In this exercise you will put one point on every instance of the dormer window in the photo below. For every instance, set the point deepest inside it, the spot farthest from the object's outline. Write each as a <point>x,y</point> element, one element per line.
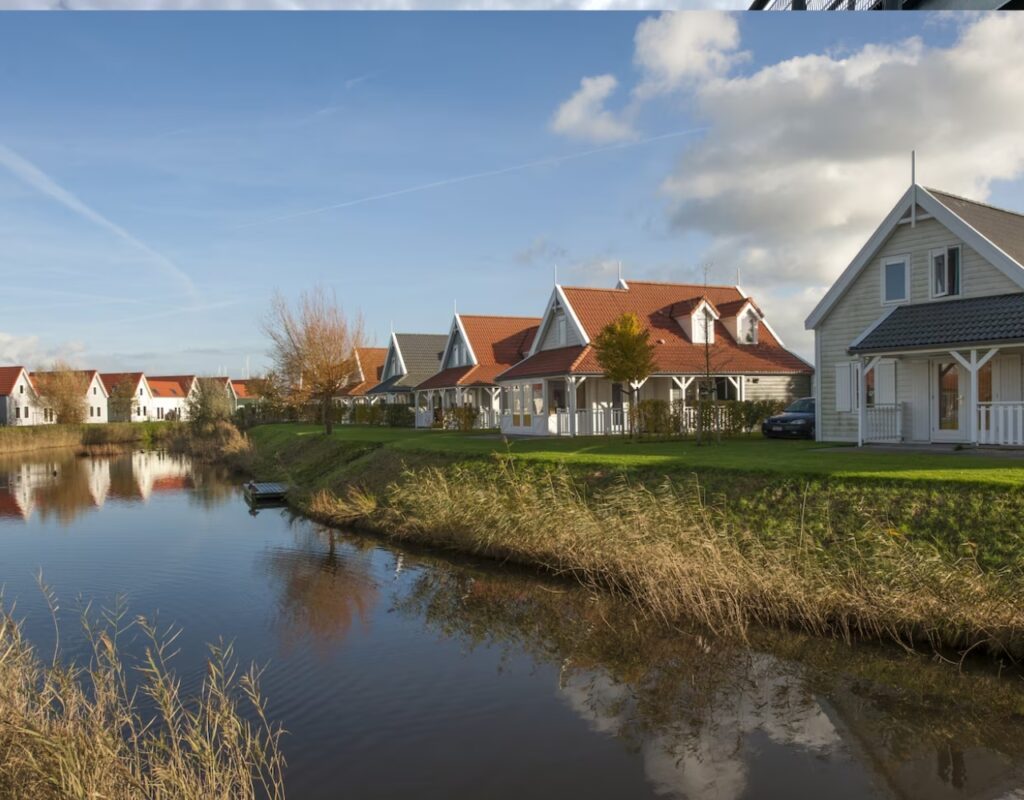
<point>945,271</point>
<point>749,328</point>
<point>704,327</point>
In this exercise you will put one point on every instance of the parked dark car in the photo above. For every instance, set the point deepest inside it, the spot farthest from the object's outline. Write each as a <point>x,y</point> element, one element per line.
<point>797,421</point>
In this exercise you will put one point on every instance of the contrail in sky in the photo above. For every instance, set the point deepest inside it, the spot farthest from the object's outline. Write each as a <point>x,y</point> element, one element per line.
<point>29,174</point>
<point>553,160</point>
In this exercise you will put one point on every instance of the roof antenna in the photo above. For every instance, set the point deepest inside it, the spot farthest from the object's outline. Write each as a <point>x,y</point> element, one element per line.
<point>913,186</point>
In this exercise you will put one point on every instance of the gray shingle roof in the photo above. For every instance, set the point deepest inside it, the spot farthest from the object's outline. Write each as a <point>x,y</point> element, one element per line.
<point>974,320</point>
<point>421,353</point>
<point>1005,229</point>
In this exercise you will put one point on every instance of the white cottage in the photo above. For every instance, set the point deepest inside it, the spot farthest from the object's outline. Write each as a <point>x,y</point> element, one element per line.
<point>560,388</point>
<point>921,338</point>
<point>18,402</point>
<point>131,390</point>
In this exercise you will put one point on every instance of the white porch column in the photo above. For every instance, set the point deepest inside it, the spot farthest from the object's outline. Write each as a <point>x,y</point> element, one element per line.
<point>973,367</point>
<point>862,397</point>
<point>570,402</point>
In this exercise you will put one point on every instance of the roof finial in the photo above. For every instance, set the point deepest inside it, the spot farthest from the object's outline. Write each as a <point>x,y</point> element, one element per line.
<point>913,187</point>
<point>455,306</point>
<point>556,274</point>
<point>620,271</point>
<point>737,277</point>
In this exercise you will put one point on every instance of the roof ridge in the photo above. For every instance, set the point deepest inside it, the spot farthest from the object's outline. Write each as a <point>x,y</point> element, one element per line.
<point>932,190</point>
<point>654,283</point>
<point>497,316</point>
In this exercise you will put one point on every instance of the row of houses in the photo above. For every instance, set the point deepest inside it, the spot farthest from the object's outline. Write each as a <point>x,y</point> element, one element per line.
<point>920,340</point>
<point>540,375</point>
<point>108,396</point>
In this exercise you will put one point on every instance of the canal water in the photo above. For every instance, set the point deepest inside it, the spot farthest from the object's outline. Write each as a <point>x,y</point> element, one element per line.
<point>400,673</point>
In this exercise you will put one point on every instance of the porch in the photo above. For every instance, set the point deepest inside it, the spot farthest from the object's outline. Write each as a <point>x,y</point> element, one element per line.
<point>591,405</point>
<point>435,407</point>
<point>958,396</point>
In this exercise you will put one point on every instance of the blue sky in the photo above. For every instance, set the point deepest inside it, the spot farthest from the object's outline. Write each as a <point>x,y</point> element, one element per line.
<point>157,170</point>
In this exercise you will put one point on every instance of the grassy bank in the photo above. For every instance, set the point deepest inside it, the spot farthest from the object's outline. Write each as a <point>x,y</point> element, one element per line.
<point>921,549</point>
<point>22,439</point>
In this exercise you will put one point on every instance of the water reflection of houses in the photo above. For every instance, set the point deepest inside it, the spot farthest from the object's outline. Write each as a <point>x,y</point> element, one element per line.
<point>67,487</point>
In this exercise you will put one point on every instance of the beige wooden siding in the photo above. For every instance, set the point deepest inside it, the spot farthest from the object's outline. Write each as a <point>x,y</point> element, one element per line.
<point>777,387</point>
<point>550,340</point>
<point>862,305</point>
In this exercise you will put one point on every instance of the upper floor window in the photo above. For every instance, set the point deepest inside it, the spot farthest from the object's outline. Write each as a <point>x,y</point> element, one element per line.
<point>945,271</point>
<point>704,327</point>
<point>896,279</point>
<point>21,389</point>
<point>560,329</point>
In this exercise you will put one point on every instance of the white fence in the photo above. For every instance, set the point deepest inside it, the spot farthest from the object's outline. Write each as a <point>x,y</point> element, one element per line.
<point>1001,423</point>
<point>884,423</point>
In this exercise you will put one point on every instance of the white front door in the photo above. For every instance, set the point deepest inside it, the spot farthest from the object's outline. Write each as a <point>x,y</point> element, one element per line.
<point>949,388</point>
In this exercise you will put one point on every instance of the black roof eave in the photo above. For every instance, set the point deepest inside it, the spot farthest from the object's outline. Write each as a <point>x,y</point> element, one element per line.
<point>936,347</point>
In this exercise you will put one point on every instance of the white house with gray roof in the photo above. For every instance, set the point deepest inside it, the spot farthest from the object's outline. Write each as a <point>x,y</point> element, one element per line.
<point>921,338</point>
<point>410,360</point>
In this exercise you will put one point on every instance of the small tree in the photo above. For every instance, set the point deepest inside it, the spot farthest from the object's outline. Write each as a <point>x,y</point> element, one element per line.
<point>209,402</point>
<point>626,355</point>
<point>120,401</point>
<point>63,390</point>
<point>313,348</point>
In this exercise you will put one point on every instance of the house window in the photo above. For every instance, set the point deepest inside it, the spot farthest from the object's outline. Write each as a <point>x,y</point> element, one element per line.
<point>945,270</point>
<point>896,279</point>
<point>17,412</point>
<point>94,390</point>
<point>560,329</point>
<point>704,328</point>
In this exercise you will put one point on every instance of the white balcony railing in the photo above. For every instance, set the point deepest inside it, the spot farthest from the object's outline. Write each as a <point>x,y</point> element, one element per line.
<point>1001,423</point>
<point>884,423</point>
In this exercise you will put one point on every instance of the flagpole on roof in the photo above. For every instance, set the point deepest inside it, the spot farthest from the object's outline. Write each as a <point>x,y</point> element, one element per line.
<point>913,184</point>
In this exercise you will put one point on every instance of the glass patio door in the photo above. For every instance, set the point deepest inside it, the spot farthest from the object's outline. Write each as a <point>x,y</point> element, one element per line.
<point>949,385</point>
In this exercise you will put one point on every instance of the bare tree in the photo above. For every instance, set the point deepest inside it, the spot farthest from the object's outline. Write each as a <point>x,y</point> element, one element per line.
<point>63,389</point>
<point>209,402</point>
<point>313,347</point>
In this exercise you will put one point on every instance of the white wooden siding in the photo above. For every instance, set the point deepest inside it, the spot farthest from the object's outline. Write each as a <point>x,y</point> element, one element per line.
<point>550,340</point>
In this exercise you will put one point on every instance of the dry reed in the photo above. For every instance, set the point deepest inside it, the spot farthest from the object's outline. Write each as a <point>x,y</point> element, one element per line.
<point>109,731</point>
<point>674,555</point>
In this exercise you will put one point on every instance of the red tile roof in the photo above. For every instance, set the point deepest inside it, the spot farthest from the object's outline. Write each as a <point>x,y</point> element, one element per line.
<point>242,390</point>
<point>163,387</point>
<point>8,377</point>
<point>371,361</point>
<point>112,379</point>
<point>497,342</point>
<point>184,382</point>
<point>655,304</point>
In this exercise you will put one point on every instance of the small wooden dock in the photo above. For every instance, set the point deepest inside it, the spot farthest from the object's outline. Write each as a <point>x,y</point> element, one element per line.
<point>256,492</point>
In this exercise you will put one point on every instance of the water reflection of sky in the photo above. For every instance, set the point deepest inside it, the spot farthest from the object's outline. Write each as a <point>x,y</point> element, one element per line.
<point>399,673</point>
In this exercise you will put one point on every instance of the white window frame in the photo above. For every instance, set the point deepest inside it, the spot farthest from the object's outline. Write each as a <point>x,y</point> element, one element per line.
<point>886,263</point>
<point>944,251</point>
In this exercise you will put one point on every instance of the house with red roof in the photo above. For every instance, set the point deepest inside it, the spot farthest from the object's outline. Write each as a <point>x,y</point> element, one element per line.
<point>368,374</point>
<point>171,394</point>
<point>921,338</point>
<point>479,348</point>
<point>245,390</point>
<point>130,398</point>
<point>94,401</point>
<point>19,404</point>
<point>696,330</point>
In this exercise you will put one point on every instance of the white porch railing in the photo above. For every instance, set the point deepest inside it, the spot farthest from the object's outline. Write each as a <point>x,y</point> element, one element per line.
<point>884,423</point>
<point>1001,423</point>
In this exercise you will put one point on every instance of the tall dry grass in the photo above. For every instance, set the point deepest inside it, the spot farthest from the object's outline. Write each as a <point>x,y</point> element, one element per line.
<point>108,731</point>
<point>677,557</point>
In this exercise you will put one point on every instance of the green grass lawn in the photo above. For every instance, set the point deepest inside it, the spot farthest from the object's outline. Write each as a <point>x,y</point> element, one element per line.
<point>753,454</point>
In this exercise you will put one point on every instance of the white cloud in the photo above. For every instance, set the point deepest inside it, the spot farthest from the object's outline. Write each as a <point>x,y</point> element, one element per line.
<point>806,156</point>
<point>680,48</point>
<point>584,116</point>
<point>29,351</point>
